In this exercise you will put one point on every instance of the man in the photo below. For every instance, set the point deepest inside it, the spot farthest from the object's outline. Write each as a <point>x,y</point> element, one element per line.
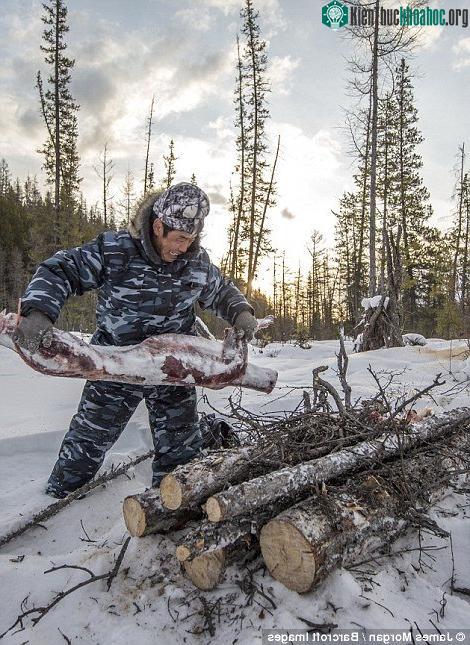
<point>149,279</point>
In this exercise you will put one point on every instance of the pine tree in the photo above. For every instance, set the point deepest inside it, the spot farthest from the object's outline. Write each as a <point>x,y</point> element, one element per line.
<point>151,177</point>
<point>408,197</point>
<point>104,170</point>
<point>259,191</point>
<point>235,256</point>
<point>4,177</point>
<point>458,231</point>
<point>59,111</point>
<point>350,246</point>
<point>256,189</point>
<point>126,205</point>
<point>382,45</point>
<point>170,168</point>
<point>149,168</point>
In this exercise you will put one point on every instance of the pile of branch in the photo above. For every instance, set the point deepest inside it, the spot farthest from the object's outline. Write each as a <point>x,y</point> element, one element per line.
<point>316,491</point>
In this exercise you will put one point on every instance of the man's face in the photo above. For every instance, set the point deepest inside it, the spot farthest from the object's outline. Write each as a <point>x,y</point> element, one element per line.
<point>172,245</point>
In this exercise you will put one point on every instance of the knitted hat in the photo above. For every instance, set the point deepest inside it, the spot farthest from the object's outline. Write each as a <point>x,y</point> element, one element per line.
<point>182,207</point>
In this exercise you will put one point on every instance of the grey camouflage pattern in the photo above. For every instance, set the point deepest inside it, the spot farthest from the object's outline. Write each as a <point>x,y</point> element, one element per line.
<point>183,207</point>
<point>136,297</point>
<point>103,413</point>
<point>139,296</point>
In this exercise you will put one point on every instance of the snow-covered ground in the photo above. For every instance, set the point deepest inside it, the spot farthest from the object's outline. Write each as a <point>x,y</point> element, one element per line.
<point>151,600</point>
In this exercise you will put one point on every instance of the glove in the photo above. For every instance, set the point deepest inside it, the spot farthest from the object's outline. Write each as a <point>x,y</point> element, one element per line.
<point>34,330</point>
<point>245,325</point>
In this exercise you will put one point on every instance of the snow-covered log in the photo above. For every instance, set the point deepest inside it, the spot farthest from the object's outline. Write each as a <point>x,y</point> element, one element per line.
<point>206,571</point>
<point>209,537</point>
<point>304,543</point>
<point>297,481</point>
<point>192,483</point>
<point>144,514</point>
<point>173,359</point>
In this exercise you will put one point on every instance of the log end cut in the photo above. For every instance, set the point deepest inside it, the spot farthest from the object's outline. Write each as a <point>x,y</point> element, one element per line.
<point>134,517</point>
<point>205,571</point>
<point>183,553</point>
<point>171,492</point>
<point>288,555</point>
<point>214,510</point>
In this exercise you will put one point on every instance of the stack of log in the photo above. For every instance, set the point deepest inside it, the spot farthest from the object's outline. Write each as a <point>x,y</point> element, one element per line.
<point>308,507</point>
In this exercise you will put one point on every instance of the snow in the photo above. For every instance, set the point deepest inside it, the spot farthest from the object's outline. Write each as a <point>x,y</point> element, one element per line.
<point>151,600</point>
<point>414,339</point>
<point>372,303</point>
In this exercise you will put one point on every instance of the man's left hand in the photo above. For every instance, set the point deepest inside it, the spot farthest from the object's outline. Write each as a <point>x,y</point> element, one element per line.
<point>245,325</point>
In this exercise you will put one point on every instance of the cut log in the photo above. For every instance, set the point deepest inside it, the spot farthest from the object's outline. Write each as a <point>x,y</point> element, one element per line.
<point>209,537</point>
<point>298,481</point>
<point>190,484</point>
<point>305,542</point>
<point>145,514</point>
<point>343,525</point>
<point>206,571</point>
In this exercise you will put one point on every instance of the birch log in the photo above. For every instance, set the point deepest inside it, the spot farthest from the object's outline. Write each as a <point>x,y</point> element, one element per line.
<point>296,481</point>
<point>191,484</point>
<point>210,537</point>
<point>304,543</point>
<point>206,571</point>
<point>145,514</point>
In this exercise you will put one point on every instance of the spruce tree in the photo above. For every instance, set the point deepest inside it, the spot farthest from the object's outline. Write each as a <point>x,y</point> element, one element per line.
<point>59,111</point>
<point>170,165</point>
<point>256,187</point>
<point>408,196</point>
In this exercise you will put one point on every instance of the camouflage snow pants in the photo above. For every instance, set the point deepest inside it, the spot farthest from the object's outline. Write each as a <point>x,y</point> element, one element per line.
<point>103,413</point>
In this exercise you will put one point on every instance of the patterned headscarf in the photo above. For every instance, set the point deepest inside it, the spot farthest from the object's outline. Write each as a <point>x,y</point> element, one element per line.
<point>182,207</point>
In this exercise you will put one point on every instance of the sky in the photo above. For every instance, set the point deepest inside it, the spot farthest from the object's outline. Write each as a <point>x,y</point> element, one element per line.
<point>183,52</point>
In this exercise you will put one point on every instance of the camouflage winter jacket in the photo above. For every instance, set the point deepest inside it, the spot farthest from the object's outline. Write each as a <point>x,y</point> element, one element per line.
<point>139,294</point>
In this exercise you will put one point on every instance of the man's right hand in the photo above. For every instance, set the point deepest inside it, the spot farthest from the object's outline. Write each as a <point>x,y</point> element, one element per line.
<point>34,330</point>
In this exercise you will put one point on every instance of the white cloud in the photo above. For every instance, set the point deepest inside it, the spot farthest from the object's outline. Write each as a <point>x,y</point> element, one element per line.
<point>223,127</point>
<point>311,176</point>
<point>24,27</point>
<point>428,37</point>
<point>280,73</point>
<point>462,49</point>
<point>271,12</point>
<point>196,17</point>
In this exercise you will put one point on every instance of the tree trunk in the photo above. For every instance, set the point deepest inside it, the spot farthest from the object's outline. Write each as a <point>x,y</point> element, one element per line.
<point>145,514</point>
<point>263,217</point>
<point>149,138</point>
<point>465,190</point>
<point>294,482</point>
<point>191,484</point>
<point>459,225</point>
<point>357,261</point>
<point>57,128</point>
<point>206,571</point>
<point>373,155</point>
<point>304,543</point>
<point>208,538</point>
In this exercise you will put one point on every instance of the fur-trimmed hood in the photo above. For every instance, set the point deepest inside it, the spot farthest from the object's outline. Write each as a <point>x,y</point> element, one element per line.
<point>140,228</point>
